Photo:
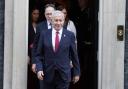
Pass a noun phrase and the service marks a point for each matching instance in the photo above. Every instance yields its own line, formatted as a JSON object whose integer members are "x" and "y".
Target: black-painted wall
{"x": 126, "y": 50}
{"x": 2, "y": 4}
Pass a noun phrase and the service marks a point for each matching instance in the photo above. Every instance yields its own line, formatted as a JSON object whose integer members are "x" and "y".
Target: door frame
{"x": 111, "y": 51}
{"x": 110, "y": 67}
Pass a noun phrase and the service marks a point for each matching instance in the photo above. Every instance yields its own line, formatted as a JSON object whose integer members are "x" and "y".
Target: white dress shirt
{"x": 71, "y": 27}
{"x": 54, "y": 36}
{"x": 49, "y": 25}
{"x": 34, "y": 29}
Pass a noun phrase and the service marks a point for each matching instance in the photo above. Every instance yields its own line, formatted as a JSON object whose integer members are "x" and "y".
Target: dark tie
{"x": 56, "y": 41}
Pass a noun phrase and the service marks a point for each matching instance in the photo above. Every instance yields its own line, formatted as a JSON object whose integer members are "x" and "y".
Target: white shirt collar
{"x": 54, "y": 35}
{"x": 60, "y": 31}
{"x": 48, "y": 24}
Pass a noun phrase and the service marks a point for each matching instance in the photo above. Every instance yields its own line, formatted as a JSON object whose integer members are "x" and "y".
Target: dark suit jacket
{"x": 48, "y": 60}
{"x": 40, "y": 27}
{"x": 31, "y": 36}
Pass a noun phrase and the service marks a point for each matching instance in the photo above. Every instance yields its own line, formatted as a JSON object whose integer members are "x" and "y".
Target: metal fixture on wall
{"x": 120, "y": 32}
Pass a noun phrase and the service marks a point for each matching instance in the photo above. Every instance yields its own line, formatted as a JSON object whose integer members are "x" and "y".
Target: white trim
{"x": 111, "y": 51}
{"x": 15, "y": 44}
{"x": 8, "y": 45}
{"x": 100, "y": 44}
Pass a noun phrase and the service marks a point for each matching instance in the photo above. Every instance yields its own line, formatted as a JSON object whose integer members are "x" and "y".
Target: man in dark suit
{"x": 56, "y": 47}
{"x": 44, "y": 25}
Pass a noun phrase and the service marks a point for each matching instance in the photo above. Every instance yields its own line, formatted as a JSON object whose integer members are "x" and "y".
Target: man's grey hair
{"x": 57, "y": 13}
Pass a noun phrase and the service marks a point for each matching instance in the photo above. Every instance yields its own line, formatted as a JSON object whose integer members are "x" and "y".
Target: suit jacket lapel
{"x": 49, "y": 37}
{"x": 46, "y": 25}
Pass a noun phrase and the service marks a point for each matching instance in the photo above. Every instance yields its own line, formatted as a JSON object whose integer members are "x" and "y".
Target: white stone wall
{"x": 8, "y": 44}
{"x": 111, "y": 51}
{"x": 15, "y": 48}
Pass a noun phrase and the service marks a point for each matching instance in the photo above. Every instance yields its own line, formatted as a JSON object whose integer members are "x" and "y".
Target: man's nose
{"x": 50, "y": 16}
{"x": 58, "y": 22}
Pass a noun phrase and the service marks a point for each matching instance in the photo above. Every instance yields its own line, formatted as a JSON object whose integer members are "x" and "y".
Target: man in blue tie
{"x": 56, "y": 48}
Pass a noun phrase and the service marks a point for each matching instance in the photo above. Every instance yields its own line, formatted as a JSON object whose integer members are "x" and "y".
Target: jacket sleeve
{"x": 74, "y": 57}
{"x": 38, "y": 51}
{"x": 39, "y": 55}
{"x": 35, "y": 44}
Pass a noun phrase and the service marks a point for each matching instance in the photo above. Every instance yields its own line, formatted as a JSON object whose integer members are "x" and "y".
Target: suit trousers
{"x": 57, "y": 83}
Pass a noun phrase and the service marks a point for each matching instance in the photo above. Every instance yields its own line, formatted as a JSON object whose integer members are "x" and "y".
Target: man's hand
{"x": 34, "y": 68}
{"x": 76, "y": 79}
{"x": 40, "y": 75}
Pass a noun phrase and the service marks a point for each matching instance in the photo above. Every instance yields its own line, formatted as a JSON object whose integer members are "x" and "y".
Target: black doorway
{"x": 85, "y": 18}
{"x": 86, "y": 21}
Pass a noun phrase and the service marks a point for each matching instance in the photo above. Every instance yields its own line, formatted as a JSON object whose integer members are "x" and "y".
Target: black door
{"x": 84, "y": 14}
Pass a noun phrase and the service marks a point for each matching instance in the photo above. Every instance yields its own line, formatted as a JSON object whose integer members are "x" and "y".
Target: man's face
{"x": 48, "y": 13}
{"x": 58, "y": 22}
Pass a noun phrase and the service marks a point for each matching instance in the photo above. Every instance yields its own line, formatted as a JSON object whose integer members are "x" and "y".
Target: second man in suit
{"x": 44, "y": 25}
